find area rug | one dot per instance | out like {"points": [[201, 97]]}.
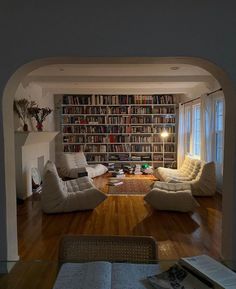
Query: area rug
{"points": [[131, 187]]}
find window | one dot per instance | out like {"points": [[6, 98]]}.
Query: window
{"points": [[188, 125], [219, 124], [196, 130]]}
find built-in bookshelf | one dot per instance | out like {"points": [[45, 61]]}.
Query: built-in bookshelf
{"points": [[120, 128]]}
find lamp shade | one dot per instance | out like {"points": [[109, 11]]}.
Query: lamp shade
{"points": [[164, 133]]}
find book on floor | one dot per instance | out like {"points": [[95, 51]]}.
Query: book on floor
{"points": [[198, 272], [176, 277], [104, 275], [115, 182]]}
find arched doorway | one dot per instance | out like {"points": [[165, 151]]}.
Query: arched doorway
{"points": [[10, 222]]}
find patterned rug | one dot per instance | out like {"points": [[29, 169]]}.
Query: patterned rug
{"points": [[131, 187]]}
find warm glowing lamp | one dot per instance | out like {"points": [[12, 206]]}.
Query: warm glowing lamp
{"points": [[164, 134]]}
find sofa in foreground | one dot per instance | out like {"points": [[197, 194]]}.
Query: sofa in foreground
{"points": [[199, 174], [70, 164], [60, 196]]}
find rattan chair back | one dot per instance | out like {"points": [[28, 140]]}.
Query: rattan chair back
{"points": [[84, 248]]}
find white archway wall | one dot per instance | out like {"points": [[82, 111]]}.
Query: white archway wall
{"points": [[11, 253]]}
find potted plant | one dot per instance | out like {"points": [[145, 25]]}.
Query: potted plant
{"points": [[21, 107], [39, 114]]}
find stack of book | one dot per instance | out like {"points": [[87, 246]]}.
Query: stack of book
{"points": [[111, 167], [137, 170], [128, 169], [114, 182], [199, 272], [119, 173], [136, 158]]}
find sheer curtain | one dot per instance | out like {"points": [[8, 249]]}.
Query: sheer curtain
{"points": [[181, 137], [207, 128]]}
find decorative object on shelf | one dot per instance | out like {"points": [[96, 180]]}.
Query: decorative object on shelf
{"points": [[40, 115], [21, 107]]}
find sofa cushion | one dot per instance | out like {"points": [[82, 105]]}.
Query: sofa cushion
{"points": [[172, 187]]}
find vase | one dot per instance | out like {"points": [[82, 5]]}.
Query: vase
{"points": [[25, 127], [39, 126]]}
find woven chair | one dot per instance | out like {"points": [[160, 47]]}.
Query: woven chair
{"points": [[85, 248]]}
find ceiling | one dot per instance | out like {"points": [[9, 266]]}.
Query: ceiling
{"points": [[134, 78]]}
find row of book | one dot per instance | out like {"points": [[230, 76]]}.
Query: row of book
{"points": [[118, 138], [117, 157], [118, 120], [96, 158], [163, 110], [117, 99], [118, 148], [73, 148], [167, 157], [73, 139], [140, 138], [169, 129], [163, 119], [141, 158], [141, 148], [74, 129], [112, 139], [167, 148], [141, 110], [117, 110], [95, 148], [116, 129], [141, 119], [81, 110]]}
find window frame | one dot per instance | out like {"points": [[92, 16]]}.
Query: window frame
{"points": [[196, 129], [215, 100]]}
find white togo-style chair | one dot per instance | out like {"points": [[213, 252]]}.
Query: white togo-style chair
{"points": [[199, 174], [70, 164], [66, 196]]}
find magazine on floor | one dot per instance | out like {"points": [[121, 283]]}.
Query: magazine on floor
{"points": [[176, 278], [198, 272]]}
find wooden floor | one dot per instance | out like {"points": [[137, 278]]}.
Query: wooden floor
{"points": [[178, 234]]}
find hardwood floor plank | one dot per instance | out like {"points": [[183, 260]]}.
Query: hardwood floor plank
{"points": [[178, 234]]}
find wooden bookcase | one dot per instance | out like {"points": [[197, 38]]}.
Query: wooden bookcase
{"points": [[120, 128]]}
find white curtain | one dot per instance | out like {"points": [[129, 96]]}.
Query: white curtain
{"points": [[207, 128], [181, 137]]}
